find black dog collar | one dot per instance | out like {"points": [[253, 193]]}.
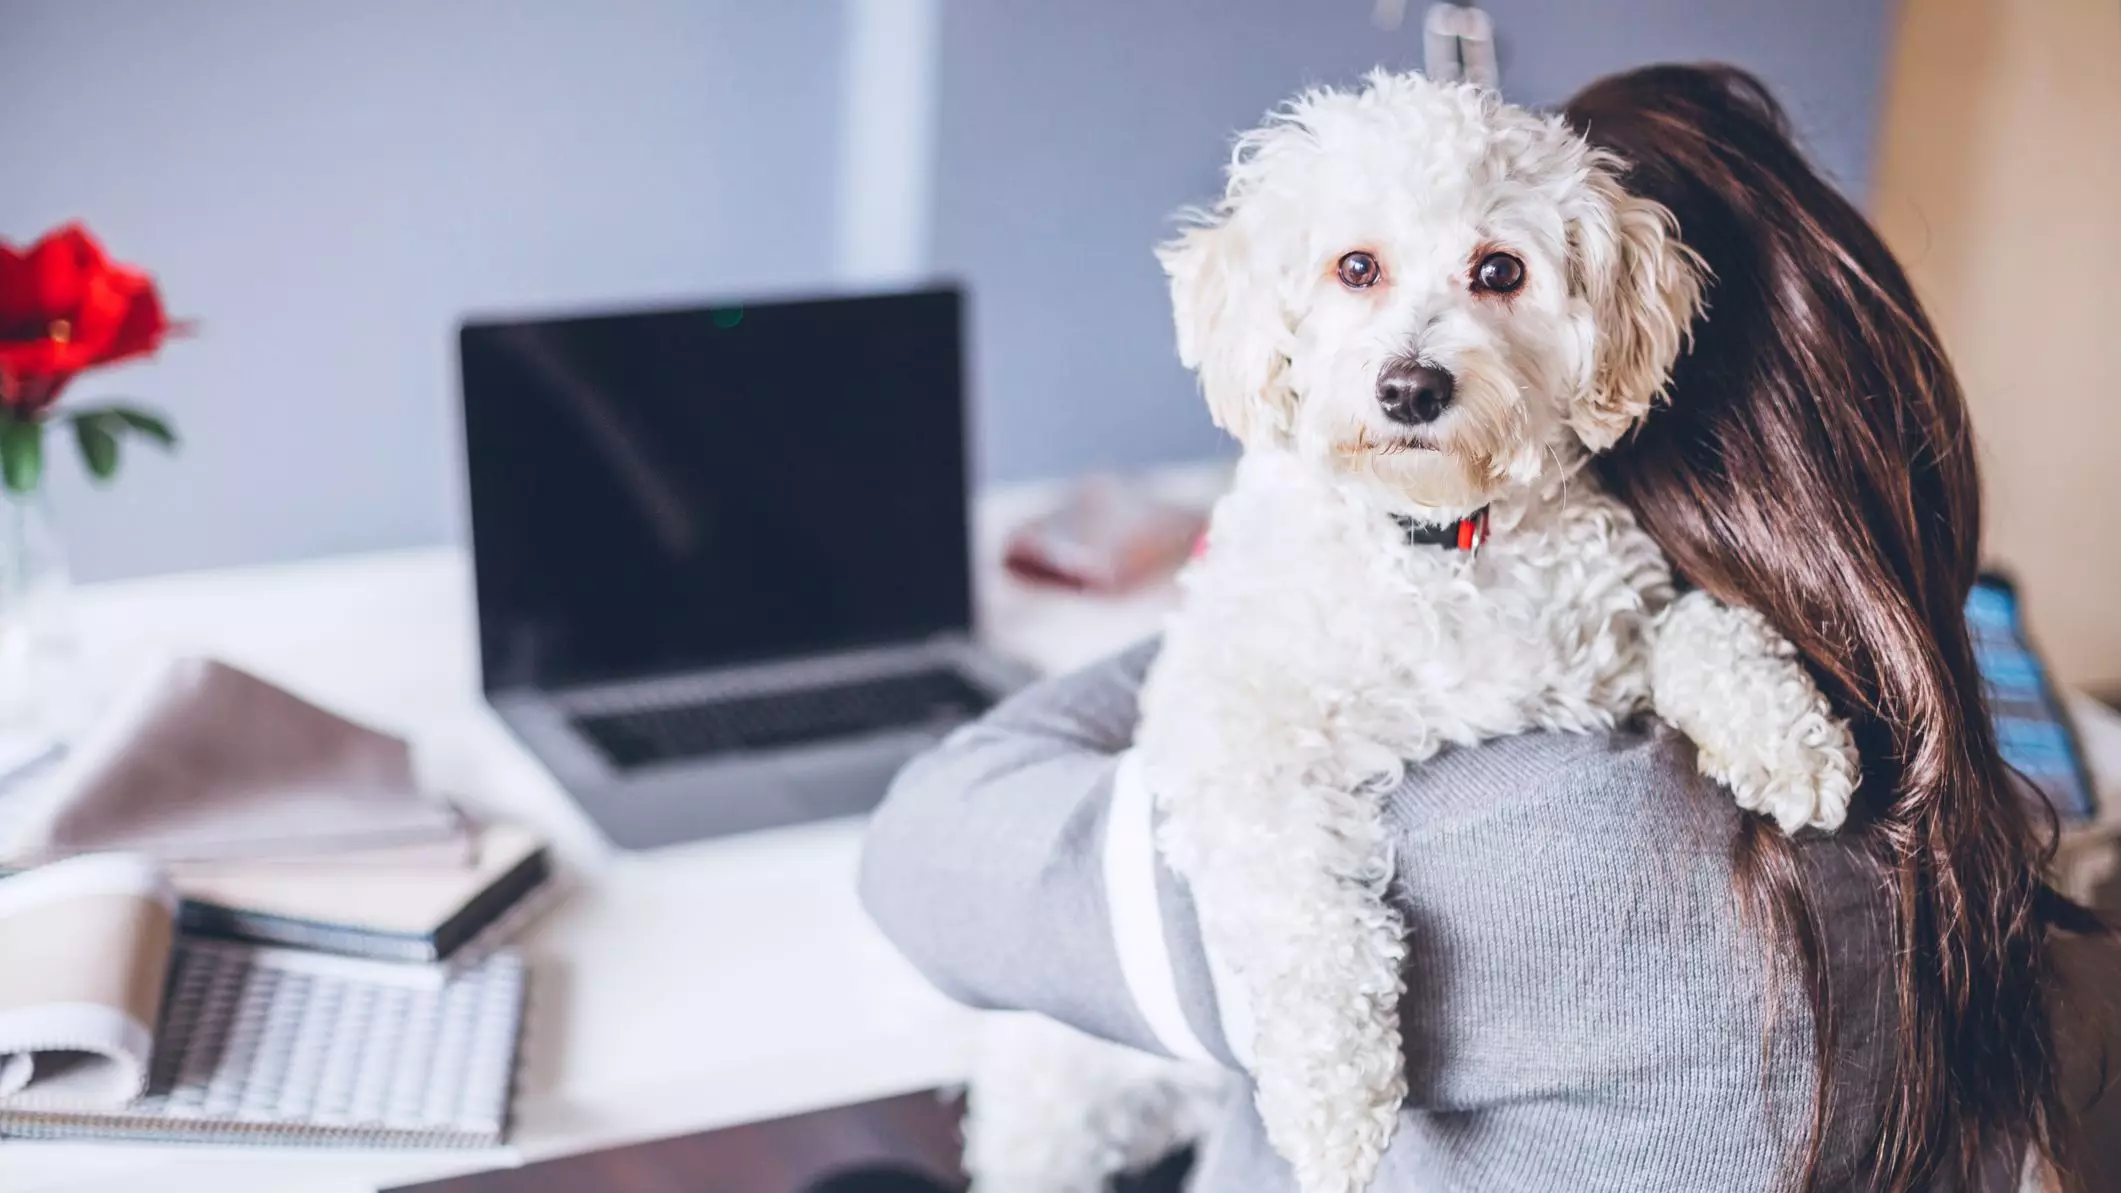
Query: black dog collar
{"points": [[1466, 534]]}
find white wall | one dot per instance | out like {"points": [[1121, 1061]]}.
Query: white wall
{"points": [[328, 187]]}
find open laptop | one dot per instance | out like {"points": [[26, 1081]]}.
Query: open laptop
{"points": [[722, 554]]}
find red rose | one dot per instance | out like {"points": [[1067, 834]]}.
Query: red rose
{"points": [[64, 308]]}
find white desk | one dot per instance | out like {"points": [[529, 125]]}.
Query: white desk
{"points": [[676, 991], [673, 991]]}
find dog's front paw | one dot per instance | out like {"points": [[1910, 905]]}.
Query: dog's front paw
{"points": [[1726, 679]]}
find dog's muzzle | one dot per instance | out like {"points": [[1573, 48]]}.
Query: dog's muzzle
{"points": [[1412, 393]]}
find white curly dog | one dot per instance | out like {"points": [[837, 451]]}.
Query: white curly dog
{"points": [[1421, 311]]}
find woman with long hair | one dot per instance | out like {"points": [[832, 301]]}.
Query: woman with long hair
{"points": [[1616, 979]]}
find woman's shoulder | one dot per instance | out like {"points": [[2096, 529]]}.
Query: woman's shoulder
{"points": [[1633, 786], [1592, 818], [1575, 954], [1576, 948], [1583, 806], [1582, 830]]}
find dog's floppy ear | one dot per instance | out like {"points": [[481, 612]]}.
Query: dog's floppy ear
{"points": [[1226, 300], [1643, 287]]}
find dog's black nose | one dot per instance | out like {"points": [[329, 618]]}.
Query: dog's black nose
{"points": [[1414, 393]]}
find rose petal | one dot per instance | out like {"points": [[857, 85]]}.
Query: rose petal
{"points": [[119, 317], [28, 358], [94, 320], [144, 327], [16, 297], [61, 266]]}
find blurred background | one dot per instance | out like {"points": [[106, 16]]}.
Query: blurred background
{"points": [[328, 189]]}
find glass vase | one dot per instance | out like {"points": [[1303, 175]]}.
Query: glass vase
{"points": [[35, 636]]}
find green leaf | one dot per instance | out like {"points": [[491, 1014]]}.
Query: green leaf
{"points": [[99, 446], [120, 419], [22, 454], [147, 423]]}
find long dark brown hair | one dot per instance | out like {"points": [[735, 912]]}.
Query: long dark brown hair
{"points": [[1815, 464]]}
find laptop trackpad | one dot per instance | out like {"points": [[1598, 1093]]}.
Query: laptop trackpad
{"points": [[858, 784], [743, 795]]}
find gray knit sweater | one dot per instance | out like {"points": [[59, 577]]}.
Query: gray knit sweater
{"points": [[1585, 1010]]}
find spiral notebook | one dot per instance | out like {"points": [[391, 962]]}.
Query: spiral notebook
{"points": [[113, 1028]]}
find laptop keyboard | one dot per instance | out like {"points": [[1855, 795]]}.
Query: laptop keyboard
{"points": [[638, 737]]}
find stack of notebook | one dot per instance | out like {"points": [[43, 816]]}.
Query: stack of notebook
{"points": [[237, 917], [112, 1026]]}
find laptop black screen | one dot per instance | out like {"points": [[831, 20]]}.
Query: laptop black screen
{"points": [[664, 491]]}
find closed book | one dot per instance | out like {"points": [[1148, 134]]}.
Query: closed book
{"points": [[414, 911]]}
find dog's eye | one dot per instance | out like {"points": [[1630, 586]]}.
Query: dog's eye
{"points": [[1498, 273], [1359, 271]]}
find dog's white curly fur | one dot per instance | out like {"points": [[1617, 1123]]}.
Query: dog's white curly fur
{"points": [[1724, 678], [1317, 653], [1058, 1110]]}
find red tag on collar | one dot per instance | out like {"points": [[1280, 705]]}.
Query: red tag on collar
{"points": [[1466, 534], [1473, 531]]}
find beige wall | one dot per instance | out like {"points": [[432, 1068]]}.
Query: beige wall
{"points": [[1999, 185]]}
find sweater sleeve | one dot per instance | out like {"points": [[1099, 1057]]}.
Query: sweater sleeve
{"points": [[1014, 865]]}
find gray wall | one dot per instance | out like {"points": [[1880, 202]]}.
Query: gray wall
{"points": [[328, 187], [1070, 132]]}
